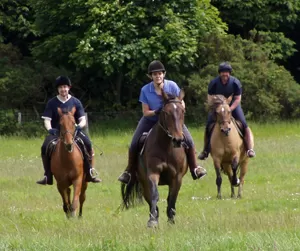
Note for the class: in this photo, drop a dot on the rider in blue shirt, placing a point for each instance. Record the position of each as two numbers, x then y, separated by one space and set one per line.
227 85
152 103
51 122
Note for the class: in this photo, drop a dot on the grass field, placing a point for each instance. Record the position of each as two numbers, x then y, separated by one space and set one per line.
267 218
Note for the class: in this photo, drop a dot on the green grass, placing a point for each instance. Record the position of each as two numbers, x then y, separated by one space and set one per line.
267 218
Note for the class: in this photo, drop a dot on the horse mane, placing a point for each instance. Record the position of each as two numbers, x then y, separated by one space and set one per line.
215 100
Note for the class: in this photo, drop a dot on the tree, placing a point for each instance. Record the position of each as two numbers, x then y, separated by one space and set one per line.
116 40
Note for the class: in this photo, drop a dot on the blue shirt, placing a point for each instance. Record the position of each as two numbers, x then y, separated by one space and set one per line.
153 100
52 113
232 87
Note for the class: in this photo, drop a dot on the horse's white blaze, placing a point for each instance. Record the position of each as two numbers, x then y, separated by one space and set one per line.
223 110
175 106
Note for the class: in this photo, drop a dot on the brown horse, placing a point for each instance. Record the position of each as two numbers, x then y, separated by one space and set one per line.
67 165
227 148
163 161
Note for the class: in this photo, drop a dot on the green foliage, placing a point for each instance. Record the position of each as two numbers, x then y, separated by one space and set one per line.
258 14
269 91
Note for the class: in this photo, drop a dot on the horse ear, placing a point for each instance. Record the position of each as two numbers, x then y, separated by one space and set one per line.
229 99
181 94
73 110
164 95
60 113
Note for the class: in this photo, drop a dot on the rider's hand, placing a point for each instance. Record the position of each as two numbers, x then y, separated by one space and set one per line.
53 131
78 128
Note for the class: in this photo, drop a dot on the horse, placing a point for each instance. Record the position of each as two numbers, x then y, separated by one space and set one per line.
162 162
227 148
67 165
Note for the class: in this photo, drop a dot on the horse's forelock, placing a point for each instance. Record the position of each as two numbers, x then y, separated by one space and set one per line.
215 100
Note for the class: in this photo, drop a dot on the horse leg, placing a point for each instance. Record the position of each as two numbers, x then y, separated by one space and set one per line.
154 196
172 197
77 184
243 171
65 192
82 197
218 180
234 165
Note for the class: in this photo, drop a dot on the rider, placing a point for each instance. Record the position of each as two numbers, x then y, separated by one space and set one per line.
227 85
51 122
152 103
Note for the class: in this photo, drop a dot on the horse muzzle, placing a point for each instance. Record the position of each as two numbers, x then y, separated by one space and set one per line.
177 142
69 147
226 131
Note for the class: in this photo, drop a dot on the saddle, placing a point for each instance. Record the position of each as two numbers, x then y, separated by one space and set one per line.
142 142
78 142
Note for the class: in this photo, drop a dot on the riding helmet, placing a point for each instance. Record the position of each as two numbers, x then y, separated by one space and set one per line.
225 66
62 80
156 66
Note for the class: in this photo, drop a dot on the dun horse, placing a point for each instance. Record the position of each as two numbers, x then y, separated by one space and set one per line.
67 165
227 148
163 162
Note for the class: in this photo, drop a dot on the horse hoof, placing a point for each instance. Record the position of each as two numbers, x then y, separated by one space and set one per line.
152 224
171 221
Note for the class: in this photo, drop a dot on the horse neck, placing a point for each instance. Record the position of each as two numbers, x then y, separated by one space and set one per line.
161 136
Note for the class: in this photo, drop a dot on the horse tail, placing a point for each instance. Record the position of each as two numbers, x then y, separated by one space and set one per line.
131 193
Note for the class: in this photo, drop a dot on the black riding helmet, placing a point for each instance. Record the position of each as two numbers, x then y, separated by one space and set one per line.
62 80
225 66
156 66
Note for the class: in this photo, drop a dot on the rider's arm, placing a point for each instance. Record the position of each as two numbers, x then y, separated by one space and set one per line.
146 111
82 122
47 123
236 102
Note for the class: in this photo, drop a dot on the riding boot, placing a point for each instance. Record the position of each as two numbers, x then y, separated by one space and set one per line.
196 171
125 177
48 177
204 154
248 143
91 173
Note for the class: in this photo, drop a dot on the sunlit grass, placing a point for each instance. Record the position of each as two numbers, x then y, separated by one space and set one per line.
267 218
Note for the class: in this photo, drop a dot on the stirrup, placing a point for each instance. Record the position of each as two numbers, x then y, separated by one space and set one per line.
249 152
93 172
203 173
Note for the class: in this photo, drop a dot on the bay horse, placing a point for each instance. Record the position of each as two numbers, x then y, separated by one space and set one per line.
227 148
67 165
163 162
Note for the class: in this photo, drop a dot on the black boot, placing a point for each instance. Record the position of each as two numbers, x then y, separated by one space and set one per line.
197 172
48 178
204 154
90 171
248 143
125 177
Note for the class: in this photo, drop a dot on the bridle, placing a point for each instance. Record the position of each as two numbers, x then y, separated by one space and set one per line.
221 122
62 137
162 123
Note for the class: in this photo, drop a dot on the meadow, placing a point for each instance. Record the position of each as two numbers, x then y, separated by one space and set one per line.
266 218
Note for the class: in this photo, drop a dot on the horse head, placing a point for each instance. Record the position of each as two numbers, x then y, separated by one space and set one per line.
221 108
171 118
67 128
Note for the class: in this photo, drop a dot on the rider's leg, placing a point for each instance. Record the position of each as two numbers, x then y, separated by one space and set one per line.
196 171
48 177
144 125
206 149
238 114
88 159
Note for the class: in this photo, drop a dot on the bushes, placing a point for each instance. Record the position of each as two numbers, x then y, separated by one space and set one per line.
269 90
